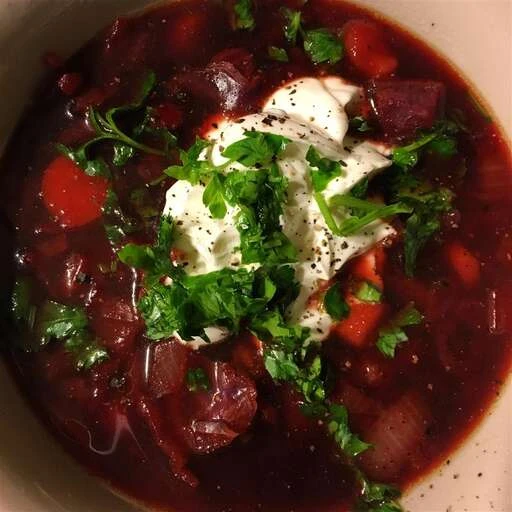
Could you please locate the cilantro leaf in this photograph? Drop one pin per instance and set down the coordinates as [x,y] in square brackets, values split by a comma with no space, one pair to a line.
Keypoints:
[323,169]
[339,428]
[323,46]
[292,24]
[334,303]
[244,16]
[369,293]
[277,54]
[197,380]
[256,149]
[360,189]
[394,335]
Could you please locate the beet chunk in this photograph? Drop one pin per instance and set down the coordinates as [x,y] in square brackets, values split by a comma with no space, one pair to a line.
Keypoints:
[401,107]
[210,419]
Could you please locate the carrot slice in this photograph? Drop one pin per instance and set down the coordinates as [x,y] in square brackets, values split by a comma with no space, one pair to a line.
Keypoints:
[368,50]
[364,318]
[464,263]
[73,197]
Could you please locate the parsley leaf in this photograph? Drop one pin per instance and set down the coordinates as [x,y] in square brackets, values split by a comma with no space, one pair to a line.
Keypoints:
[369,293]
[440,140]
[334,303]
[376,497]
[392,336]
[192,169]
[339,428]
[370,212]
[257,149]
[244,16]
[360,124]
[424,222]
[117,225]
[52,321]
[213,197]
[292,25]
[323,46]
[57,321]
[277,54]
[197,380]
[323,169]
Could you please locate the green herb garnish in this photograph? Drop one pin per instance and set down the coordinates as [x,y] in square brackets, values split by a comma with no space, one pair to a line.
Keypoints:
[335,304]
[277,54]
[244,15]
[367,292]
[197,380]
[323,46]
[394,335]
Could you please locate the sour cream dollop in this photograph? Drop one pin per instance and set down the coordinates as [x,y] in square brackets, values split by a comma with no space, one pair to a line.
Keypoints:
[308,111]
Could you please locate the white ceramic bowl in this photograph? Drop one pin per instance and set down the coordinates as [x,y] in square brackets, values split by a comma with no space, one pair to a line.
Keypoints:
[35,475]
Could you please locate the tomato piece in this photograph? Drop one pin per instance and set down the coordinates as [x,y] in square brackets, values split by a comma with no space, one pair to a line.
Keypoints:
[364,318]
[368,50]
[464,263]
[72,196]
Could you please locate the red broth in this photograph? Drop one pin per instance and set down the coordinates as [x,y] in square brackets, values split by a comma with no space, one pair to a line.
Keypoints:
[414,408]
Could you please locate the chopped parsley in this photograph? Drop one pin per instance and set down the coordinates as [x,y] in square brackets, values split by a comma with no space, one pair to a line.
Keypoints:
[117,225]
[339,428]
[440,140]
[278,54]
[323,170]
[335,304]
[125,144]
[393,335]
[292,25]
[52,321]
[256,149]
[424,221]
[244,15]
[197,380]
[369,293]
[323,46]
[360,124]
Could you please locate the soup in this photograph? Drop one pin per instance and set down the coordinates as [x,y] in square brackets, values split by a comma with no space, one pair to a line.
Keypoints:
[260,257]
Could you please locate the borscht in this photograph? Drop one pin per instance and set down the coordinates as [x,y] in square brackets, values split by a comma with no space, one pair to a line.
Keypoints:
[260,257]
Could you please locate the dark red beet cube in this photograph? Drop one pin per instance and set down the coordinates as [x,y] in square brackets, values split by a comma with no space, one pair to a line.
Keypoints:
[402,107]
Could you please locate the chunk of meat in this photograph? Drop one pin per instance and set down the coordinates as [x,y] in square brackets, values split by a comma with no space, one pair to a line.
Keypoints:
[73,197]
[367,49]
[396,437]
[167,367]
[402,107]
[210,419]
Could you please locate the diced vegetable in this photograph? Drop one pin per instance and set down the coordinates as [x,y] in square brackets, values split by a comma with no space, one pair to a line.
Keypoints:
[368,50]
[71,196]
[402,107]
[359,327]
[464,263]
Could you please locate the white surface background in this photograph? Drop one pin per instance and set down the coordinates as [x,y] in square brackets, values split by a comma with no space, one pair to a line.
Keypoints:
[35,476]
